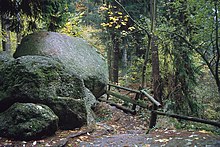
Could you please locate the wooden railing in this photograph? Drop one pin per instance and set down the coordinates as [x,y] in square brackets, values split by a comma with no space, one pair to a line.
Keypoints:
[137,100]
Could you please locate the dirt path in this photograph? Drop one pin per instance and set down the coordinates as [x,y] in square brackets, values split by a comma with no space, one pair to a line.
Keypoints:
[157,138]
[116,128]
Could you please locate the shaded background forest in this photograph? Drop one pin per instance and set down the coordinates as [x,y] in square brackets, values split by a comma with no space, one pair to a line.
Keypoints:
[170,47]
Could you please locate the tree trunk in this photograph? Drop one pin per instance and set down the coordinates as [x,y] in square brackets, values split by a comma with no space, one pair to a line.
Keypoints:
[157,87]
[109,58]
[155,65]
[143,77]
[115,67]
[217,46]
[6,42]
[124,62]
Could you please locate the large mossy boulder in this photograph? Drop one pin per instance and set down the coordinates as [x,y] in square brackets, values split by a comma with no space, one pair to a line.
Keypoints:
[75,53]
[43,80]
[28,121]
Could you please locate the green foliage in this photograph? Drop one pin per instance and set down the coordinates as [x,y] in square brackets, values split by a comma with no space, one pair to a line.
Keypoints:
[72,26]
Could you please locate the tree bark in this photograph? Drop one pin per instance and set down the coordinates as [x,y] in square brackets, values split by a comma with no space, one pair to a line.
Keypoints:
[125,61]
[115,67]
[157,90]
[217,46]
[146,56]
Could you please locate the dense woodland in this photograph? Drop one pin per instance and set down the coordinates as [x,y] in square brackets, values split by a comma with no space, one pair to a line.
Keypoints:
[170,47]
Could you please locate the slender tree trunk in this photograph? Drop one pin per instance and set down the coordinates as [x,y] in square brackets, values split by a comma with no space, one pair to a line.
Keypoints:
[6,42]
[146,56]
[155,65]
[157,87]
[124,61]
[1,48]
[217,46]
[109,57]
[115,67]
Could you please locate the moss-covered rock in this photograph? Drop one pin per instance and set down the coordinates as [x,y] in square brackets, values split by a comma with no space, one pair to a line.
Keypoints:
[4,58]
[28,121]
[43,80]
[75,53]
[72,112]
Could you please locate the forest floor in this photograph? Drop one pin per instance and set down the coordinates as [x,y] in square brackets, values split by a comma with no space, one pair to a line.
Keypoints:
[116,128]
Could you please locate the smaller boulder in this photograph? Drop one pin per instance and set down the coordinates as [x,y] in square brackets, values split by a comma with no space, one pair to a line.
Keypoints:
[27,121]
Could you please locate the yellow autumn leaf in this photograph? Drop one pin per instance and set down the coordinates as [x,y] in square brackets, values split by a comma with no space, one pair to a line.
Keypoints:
[115,19]
[117,26]
[103,8]
[204,131]
[124,33]
[111,18]
[123,23]
[103,24]
[120,13]
[110,13]
[125,19]
[131,28]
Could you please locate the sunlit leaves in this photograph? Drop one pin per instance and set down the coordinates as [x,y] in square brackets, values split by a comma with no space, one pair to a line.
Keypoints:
[115,19]
[72,27]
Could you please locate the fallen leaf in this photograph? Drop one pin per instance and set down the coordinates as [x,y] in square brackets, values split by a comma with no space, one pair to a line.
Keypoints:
[192,136]
[83,137]
[204,131]
[162,140]
[34,143]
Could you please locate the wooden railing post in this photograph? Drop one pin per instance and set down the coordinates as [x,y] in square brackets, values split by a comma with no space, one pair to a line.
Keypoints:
[156,104]
[153,118]
[137,97]
[108,89]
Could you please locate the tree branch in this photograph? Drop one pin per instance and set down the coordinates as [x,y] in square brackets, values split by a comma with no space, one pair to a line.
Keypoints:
[196,49]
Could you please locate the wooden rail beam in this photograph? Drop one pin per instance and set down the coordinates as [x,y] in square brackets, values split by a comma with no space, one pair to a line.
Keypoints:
[214,123]
[126,110]
[128,99]
[151,98]
[124,88]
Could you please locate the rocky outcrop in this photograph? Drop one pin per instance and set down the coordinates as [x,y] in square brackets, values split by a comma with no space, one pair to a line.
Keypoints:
[74,53]
[43,80]
[27,121]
